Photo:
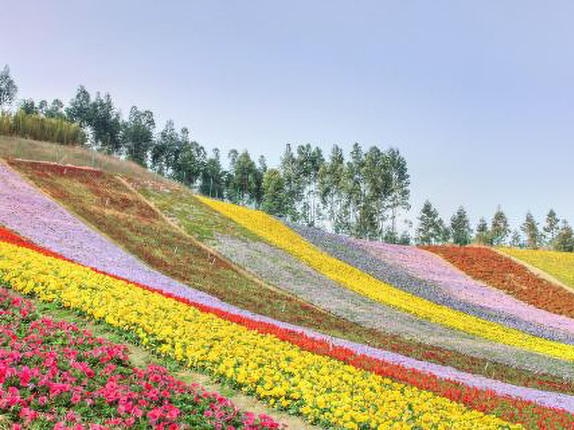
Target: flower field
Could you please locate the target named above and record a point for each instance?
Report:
(53, 375)
(456, 283)
(103, 201)
(389, 267)
(356, 280)
(558, 264)
(332, 382)
(302, 379)
(507, 275)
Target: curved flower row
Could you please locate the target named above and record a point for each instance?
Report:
(53, 375)
(503, 273)
(322, 389)
(368, 356)
(277, 233)
(455, 282)
(383, 267)
(30, 212)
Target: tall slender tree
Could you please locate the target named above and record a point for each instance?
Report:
(8, 88)
(244, 185)
(565, 238)
(138, 135)
(292, 183)
(213, 177)
(431, 229)
(331, 184)
(499, 229)
(398, 184)
(551, 228)
(187, 159)
(273, 193)
(105, 124)
(79, 108)
(483, 236)
(530, 229)
(460, 228)
(161, 152)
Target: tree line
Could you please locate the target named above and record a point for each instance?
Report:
(363, 194)
(555, 233)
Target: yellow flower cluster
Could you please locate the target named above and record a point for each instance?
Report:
(354, 279)
(322, 389)
(558, 264)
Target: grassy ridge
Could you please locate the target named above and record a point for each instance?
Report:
(15, 147)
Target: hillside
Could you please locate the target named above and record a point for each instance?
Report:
(341, 332)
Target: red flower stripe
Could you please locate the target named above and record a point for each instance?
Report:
(529, 414)
(503, 273)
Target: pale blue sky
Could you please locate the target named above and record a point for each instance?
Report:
(478, 95)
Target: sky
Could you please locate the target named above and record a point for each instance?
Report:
(477, 95)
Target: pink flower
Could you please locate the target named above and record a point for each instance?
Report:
(154, 414)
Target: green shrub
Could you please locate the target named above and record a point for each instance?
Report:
(40, 128)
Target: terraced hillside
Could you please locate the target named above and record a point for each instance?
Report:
(346, 334)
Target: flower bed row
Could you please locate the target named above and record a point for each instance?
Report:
(334, 345)
(273, 369)
(385, 269)
(457, 283)
(507, 275)
(53, 375)
(33, 214)
(350, 277)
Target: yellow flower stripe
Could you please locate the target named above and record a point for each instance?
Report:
(354, 279)
(558, 264)
(320, 388)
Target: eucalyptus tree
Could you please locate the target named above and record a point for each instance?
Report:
(531, 232)
(460, 228)
(79, 108)
(273, 193)
(331, 185)
(499, 229)
(398, 186)
(376, 178)
(161, 150)
(565, 238)
(551, 228)
(138, 135)
(244, 179)
(483, 236)
(106, 124)
(431, 229)
(213, 177)
(355, 191)
(308, 162)
(186, 159)
(292, 183)
(8, 88)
